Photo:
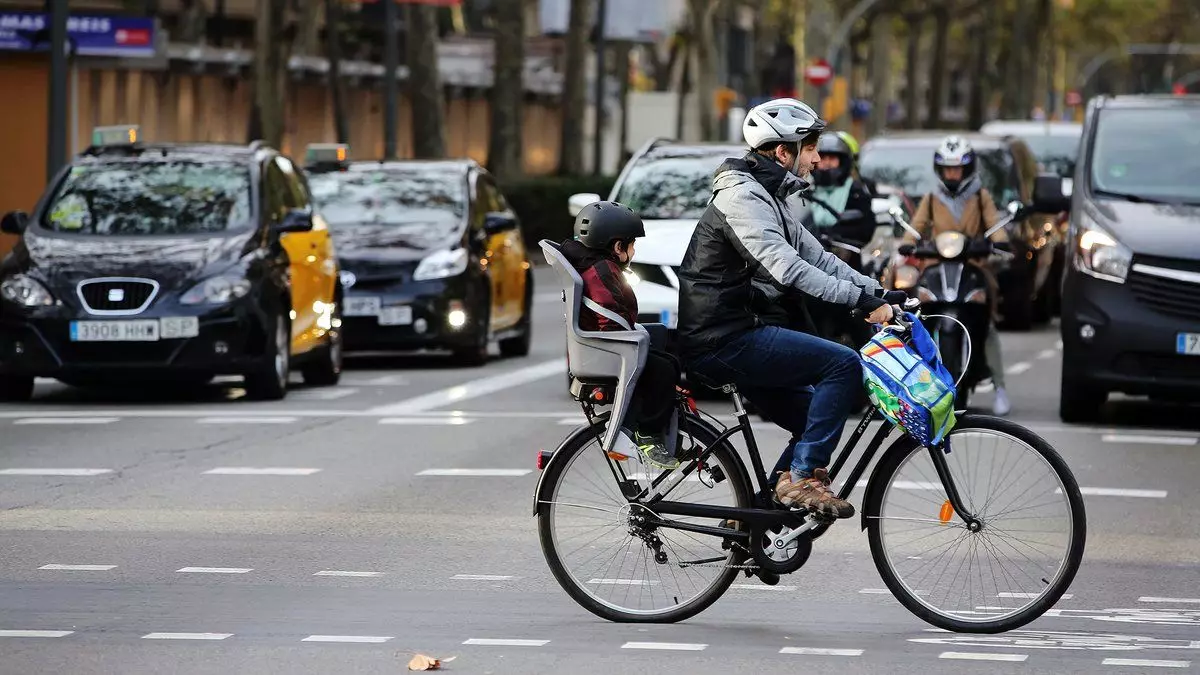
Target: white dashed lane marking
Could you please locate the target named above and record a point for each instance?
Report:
(257, 471)
(247, 420)
(1146, 663)
(481, 577)
(186, 636)
(372, 639)
(35, 633)
(427, 421)
(329, 394)
(54, 472)
(78, 568)
(763, 587)
(1137, 439)
(670, 646)
(1018, 368)
(474, 472)
(1047, 353)
(1170, 601)
(66, 420)
(345, 573)
(216, 570)
(819, 651)
(981, 656)
(497, 642)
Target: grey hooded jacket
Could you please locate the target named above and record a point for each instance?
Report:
(748, 251)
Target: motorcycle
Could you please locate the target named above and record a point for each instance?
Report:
(955, 298)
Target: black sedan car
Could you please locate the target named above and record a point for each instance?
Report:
(432, 256)
(170, 262)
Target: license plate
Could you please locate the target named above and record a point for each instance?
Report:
(176, 327)
(1188, 343)
(395, 316)
(114, 331)
(362, 306)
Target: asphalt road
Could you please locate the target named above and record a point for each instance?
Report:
(321, 534)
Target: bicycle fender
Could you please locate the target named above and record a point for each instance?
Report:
(556, 455)
(875, 484)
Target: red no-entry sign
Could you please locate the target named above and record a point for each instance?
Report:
(818, 72)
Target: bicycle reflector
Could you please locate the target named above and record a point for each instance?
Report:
(946, 513)
(543, 458)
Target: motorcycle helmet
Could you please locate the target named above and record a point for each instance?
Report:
(954, 151)
(599, 224)
(835, 144)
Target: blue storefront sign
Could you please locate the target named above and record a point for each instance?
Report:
(89, 34)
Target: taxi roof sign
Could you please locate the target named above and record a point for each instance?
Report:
(123, 134)
(327, 153)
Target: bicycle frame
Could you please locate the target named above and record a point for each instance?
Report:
(766, 514)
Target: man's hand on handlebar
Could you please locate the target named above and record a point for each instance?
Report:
(881, 314)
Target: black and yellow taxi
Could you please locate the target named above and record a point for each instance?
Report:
(431, 254)
(176, 262)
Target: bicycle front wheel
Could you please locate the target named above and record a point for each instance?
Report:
(1025, 553)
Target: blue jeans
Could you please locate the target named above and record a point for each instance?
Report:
(805, 384)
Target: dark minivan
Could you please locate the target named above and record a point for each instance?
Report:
(1129, 320)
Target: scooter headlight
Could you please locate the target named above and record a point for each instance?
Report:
(907, 276)
(950, 244)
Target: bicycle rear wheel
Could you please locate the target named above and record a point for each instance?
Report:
(1010, 571)
(608, 560)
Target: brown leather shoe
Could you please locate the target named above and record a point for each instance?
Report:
(812, 494)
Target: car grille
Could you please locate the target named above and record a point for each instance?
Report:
(1168, 367)
(117, 296)
(1170, 297)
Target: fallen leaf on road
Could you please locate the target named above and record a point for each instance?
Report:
(422, 662)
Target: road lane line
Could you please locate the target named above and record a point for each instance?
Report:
(875, 591)
(497, 642)
(66, 420)
(260, 419)
(671, 646)
(482, 577)
(345, 573)
(1118, 492)
(1149, 440)
(1145, 663)
(186, 636)
(474, 472)
(372, 639)
(260, 471)
(762, 587)
(1047, 353)
(36, 633)
(474, 389)
(621, 582)
(985, 388)
(54, 472)
(327, 394)
(983, 656)
(1024, 596)
(216, 570)
(1179, 601)
(1018, 368)
(428, 421)
(820, 651)
(78, 568)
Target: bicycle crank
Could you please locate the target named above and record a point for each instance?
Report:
(780, 549)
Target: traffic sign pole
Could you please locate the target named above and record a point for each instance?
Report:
(56, 136)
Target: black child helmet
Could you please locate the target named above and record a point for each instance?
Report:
(599, 224)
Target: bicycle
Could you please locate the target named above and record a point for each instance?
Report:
(762, 538)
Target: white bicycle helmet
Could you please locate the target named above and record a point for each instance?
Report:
(780, 120)
(954, 151)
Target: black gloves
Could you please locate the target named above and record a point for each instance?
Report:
(895, 297)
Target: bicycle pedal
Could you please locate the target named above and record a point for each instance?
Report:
(822, 518)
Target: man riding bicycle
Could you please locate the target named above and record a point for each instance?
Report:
(748, 250)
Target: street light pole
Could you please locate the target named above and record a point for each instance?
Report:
(56, 130)
(597, 144)
(391, 58)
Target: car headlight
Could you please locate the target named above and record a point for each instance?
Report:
(950, 244)
(445, 263)
(216, 291)
(907, 276)
(25, 290)
(1098, 254)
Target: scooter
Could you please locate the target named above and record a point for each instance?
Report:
(955, 299)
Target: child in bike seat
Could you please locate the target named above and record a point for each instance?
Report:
(600, 251)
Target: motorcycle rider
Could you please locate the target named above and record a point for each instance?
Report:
(747, 250)
(837, 187)
(960, 203)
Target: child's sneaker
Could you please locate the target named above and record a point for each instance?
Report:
(654, 452)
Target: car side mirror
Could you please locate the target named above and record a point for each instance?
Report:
(496, 222)
(576, 202)
(14, 222)
(295, 220)
(1048, 194)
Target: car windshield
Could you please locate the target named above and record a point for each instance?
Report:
(670, 188)
(390, 196)
(1055, 153)
(140, 198)
(1149, 154)
(910, 167)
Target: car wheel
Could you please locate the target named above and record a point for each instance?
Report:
(1079, 400)
(326, 368)
(269, 382)
(477, 354)
(15, 388)
(520, 345)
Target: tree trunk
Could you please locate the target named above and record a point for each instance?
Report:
(1012, 105)
(706, 79)
(308, 35)
(623, 51)
(269, 72)
(912, 90)
(337, 88)
(570, 154)
(937, 69)
(425, 87)
(881, 74)
(981, 38)
(504, 147)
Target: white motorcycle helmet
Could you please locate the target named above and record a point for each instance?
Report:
(954, 151)
(783, 120)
